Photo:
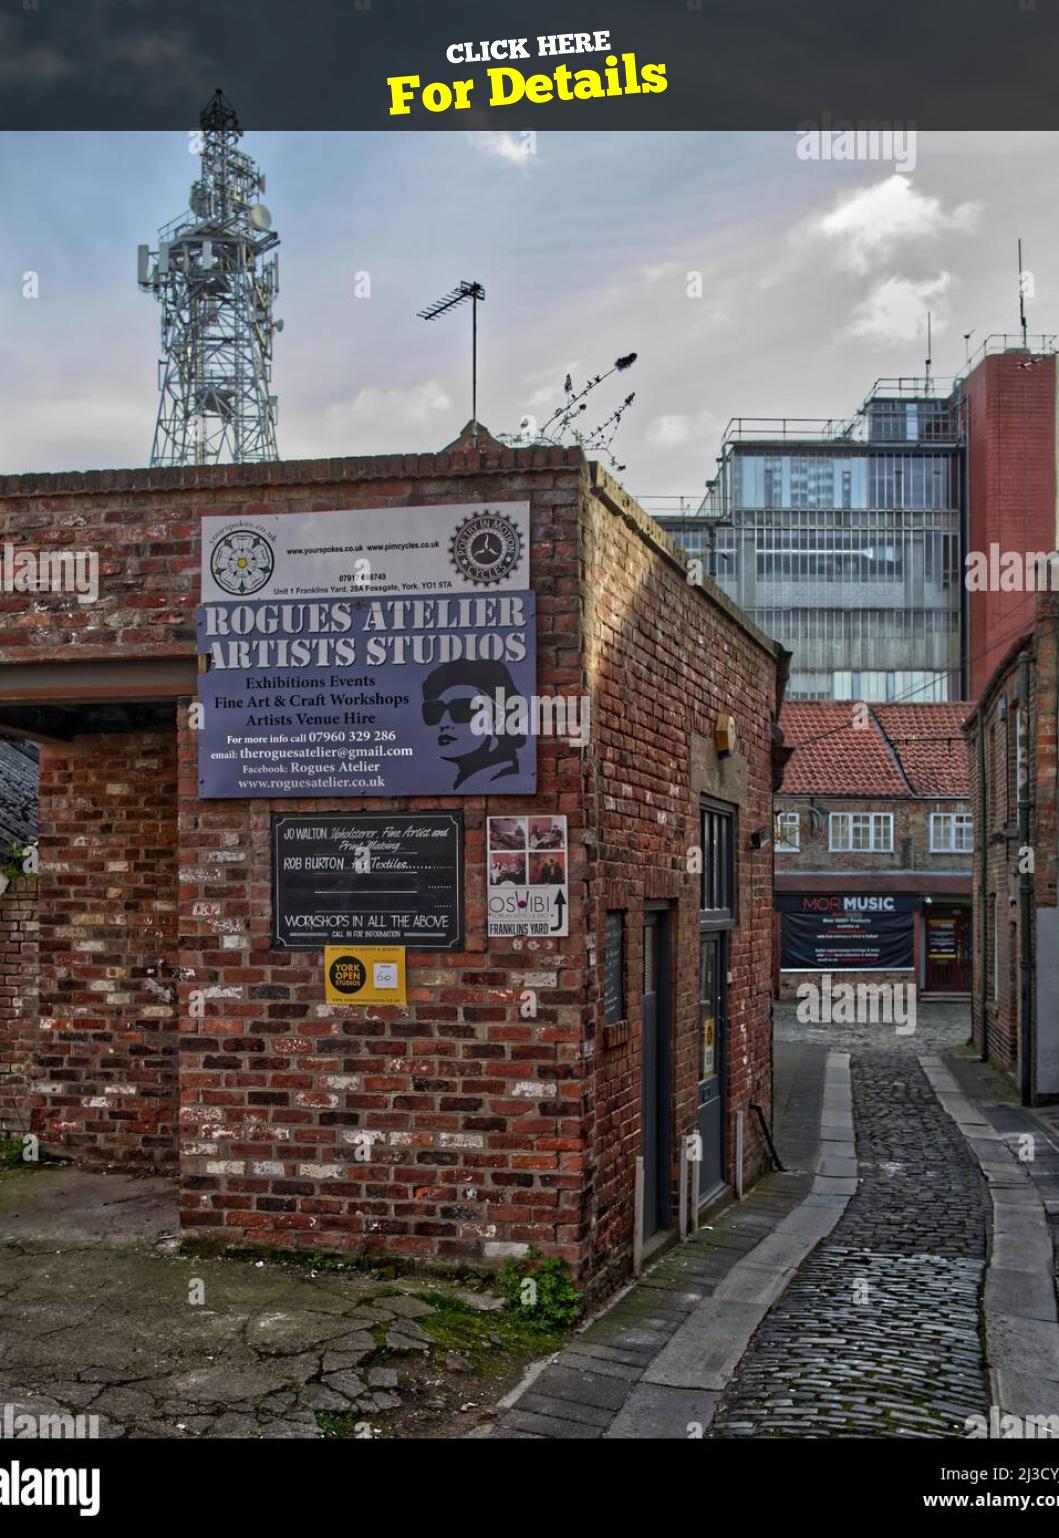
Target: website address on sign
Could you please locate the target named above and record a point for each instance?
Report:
(329, 782)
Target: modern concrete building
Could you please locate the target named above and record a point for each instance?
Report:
(848, 540)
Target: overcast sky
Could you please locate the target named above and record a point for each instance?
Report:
(816, 278)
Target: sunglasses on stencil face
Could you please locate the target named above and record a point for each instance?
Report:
(459, 711)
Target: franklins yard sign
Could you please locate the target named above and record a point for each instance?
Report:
(384, 878)
(346, 651)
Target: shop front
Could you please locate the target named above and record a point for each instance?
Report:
(898, 936)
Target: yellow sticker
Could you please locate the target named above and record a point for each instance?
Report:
(364, 974)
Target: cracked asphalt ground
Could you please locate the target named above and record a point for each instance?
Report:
(878, 1334)
(97, 1316)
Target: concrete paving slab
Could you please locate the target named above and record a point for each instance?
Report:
(520, 1420)
(1018, 1252)
(564, 1409)
(657, 1410)
(1018, 1393)
(1029, 1346)
(572, 1357)
(1020, 1221)
(808, 1223)
(835, 1185)
(750, 1282)
(1029, 1294)
(706, 1349)
(583, 1385)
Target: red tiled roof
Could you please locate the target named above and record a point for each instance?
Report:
(930, 744)
(897, 751)
(832, 756)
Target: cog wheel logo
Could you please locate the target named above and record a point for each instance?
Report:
(486, 548)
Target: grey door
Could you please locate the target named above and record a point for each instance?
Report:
(712, 977)
(654, 1110)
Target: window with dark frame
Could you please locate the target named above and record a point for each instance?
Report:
(717, 902)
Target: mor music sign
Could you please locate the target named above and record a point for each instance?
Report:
(853, 932)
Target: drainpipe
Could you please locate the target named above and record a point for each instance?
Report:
(983, 868)
(1027, 980)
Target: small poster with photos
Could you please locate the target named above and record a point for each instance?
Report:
(527, 879)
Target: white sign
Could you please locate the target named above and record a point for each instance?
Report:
(527, 876)
(452, 547)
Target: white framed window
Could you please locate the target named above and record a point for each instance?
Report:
(788, 832)
(861, 832)
(951, 833)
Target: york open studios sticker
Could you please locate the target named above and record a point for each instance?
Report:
(528, 891)
(364, 974)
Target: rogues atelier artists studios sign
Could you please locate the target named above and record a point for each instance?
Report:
(339, 666)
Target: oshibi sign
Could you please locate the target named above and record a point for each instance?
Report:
(365, 697)
(451, 547)
(527, 876)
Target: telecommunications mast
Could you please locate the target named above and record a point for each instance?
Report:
(216, 288)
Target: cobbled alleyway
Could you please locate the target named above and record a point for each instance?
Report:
(878, 1335)
(891, 1282)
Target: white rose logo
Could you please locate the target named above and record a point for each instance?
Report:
(241, 562)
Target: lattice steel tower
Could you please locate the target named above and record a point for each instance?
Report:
(216, 289)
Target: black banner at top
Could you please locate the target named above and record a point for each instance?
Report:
(658, 64)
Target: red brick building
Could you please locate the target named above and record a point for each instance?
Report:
(1011, 742)
(1009, 406)
(467, 1124)
(873, 846)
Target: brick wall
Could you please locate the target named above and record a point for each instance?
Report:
(664, 662)
(486, 1131)
(18, 1002)
(1011, 440)
(995, 1004)
(911, 837)
(997, 924)
(108, 1029)
(475, 1115)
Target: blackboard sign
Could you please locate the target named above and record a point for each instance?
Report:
(383, 878)
(614, 967)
